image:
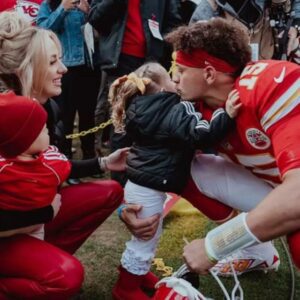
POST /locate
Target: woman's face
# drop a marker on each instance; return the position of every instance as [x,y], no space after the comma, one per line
[54,71]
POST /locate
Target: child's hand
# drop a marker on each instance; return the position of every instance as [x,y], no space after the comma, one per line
[233,104]
[56,203]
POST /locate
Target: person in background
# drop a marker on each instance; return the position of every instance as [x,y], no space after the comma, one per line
[130,32]
[165,133]
[30,65]
[273,26]
[81,83]
[26,8]
[186,10]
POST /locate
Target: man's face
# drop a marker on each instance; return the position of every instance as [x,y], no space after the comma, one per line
[190,84]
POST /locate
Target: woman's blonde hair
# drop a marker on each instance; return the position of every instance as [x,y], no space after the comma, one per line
[24,54]
[145,80]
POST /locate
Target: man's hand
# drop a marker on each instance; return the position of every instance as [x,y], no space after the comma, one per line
[196,258]
[143,229]
[116,161]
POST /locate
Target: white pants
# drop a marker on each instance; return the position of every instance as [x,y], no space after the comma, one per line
[138,255]
[228,182]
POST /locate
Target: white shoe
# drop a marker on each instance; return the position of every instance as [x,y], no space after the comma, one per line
[261,257]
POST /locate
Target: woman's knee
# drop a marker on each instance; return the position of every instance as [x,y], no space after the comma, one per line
[72,276]
[112,191]
[47,272]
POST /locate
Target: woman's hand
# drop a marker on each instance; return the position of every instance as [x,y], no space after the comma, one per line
[56,204]
[116,161]
[83,6]
[68,4]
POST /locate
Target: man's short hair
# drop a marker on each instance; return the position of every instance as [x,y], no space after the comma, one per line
[217,37]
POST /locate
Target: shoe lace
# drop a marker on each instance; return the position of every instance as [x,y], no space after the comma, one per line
[237,291]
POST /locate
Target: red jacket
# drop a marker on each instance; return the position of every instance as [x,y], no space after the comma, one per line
[26,185]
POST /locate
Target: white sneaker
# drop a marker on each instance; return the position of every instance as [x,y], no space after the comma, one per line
[261,257]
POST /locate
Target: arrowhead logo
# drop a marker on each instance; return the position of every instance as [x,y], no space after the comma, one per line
[280,78]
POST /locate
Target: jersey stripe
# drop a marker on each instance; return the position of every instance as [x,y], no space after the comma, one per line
[255,160]
[285,104]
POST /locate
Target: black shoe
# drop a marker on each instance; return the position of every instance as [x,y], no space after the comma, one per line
[73,181]
[192,278]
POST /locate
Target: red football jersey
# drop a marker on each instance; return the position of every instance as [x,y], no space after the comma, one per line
[26,8]
[267,135]
[26,185]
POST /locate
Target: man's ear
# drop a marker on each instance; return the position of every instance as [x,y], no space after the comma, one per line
[209,74]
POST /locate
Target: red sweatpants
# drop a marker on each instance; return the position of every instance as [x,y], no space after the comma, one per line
[218,212]
[35,269]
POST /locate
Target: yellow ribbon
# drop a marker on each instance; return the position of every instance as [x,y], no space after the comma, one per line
[139,82]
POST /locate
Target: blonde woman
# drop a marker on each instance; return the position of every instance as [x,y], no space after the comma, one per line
[30,65]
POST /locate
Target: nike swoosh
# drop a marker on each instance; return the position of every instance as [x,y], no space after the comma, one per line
[280,78]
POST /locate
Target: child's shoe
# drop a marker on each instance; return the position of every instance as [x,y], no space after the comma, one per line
[128,287]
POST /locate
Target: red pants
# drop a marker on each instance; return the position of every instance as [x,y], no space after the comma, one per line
[35,269]
[218,212]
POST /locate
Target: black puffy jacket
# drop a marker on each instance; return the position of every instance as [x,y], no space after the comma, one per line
[166,132]
[108,17]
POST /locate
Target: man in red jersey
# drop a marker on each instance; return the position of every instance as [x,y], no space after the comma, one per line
[213,58]
[26,8]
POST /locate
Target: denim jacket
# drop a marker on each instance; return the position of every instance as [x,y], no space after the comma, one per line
[67,26]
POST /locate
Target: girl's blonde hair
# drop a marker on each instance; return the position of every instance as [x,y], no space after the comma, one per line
[23,54]
[145,80]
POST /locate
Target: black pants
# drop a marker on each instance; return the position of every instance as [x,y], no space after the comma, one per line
[80,86]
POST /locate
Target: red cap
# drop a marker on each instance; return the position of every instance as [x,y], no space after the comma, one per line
[21,121]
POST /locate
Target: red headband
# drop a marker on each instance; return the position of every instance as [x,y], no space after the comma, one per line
[200,59]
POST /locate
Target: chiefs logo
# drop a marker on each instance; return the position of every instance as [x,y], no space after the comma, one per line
[257,139]
[27,9]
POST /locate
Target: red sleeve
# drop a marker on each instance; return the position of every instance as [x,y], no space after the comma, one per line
[281,121]
[286,144]
[271,89]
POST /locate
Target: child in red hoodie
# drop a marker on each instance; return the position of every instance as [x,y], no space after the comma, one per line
[31,171]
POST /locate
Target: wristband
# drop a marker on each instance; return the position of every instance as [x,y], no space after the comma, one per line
[120,209]
[229,237]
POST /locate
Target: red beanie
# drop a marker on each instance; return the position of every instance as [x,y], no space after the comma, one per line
[21,121]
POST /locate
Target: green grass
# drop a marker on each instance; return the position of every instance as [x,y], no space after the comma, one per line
[101,254]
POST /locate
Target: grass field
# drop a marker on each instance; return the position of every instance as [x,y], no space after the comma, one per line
[101,254]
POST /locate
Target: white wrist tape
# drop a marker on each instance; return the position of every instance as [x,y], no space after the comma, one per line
[229,237]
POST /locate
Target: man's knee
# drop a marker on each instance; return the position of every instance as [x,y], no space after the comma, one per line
[212,208]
